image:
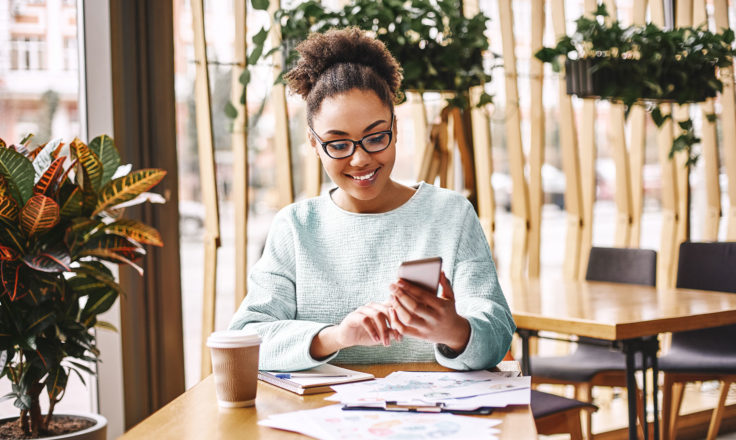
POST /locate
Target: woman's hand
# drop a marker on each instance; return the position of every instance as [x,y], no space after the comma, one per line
[418,312]
[367,325]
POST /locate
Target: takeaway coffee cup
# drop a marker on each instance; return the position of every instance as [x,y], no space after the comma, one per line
[235,364]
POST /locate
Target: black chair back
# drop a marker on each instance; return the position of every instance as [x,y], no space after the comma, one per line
[707,266]
[622,265]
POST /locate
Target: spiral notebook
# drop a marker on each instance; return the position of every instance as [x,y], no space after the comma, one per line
[313,381]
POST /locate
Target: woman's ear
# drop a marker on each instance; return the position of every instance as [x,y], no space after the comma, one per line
[312,143]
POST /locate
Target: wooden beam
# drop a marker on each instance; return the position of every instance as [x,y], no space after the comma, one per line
[710,151]
[570,160]
[728,122]
[588,155]
[209,181]
[281,136]
[421,130]
[684,17]
[665,262]
[240,153]
[520,192]
[483,166]
[637,148]
[536,149]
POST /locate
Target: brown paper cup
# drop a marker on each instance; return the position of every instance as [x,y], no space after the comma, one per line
[235,366]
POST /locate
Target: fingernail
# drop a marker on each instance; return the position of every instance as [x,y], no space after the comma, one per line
[402,283]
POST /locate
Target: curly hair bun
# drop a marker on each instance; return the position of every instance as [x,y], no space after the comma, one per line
[339,60]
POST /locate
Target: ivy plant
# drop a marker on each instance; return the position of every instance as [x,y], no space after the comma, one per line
[647,64]
[436,45]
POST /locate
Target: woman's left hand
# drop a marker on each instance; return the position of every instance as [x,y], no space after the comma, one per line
[420,313]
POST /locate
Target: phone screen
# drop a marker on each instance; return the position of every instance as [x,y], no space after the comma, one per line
[425,272]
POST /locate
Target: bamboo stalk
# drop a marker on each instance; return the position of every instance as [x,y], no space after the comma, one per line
[588,154]
[536,148]
[520,192]
[483,167]
[728,122]
[282,139]
[570,161]
[240,153]
[209,182]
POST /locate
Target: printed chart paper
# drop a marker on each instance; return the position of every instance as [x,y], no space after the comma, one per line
[331,422]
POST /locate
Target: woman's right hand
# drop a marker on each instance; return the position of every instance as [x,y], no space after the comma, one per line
[367,325]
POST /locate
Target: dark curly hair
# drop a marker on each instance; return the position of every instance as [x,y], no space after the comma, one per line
[340,60]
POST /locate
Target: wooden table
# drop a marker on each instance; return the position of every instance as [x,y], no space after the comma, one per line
[629,316]
[195,414]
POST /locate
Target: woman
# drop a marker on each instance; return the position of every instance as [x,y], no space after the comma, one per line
[325,288]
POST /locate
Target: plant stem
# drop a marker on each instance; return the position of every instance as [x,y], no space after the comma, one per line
[23,420]
[36,417]
[47,420]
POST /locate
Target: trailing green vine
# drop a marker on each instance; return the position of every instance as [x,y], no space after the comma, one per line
[436,45]
[646,64]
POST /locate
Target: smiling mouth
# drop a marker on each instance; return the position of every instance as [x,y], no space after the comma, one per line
[365,176]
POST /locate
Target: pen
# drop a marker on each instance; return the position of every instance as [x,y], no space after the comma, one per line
[295,375]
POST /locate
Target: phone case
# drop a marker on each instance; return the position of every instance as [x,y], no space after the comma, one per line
[425,272]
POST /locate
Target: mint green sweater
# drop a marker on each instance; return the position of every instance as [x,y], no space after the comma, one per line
[321,262]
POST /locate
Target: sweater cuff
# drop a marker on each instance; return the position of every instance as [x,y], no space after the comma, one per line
[309,336]
[459,361]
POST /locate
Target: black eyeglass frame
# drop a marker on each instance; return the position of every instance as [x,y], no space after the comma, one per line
[355,143]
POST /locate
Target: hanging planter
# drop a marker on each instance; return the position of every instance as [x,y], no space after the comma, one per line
[643,64]
[437,47]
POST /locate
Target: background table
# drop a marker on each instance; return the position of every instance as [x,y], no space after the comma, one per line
[195,414]
[630,316]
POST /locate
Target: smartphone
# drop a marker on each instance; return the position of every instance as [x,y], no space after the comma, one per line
[425,272]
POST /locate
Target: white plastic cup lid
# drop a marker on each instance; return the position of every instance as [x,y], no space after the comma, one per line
[232,339]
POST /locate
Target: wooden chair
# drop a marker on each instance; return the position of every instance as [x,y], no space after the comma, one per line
[597,365]
[708,354]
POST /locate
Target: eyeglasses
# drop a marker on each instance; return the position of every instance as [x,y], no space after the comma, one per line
[371,143]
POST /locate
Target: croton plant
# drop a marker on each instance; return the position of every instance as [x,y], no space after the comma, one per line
[61,209]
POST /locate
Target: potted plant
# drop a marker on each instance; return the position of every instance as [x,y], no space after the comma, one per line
[637,64]
[61,212]
[438,47]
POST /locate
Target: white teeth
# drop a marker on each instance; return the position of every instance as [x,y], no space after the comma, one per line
[366,177]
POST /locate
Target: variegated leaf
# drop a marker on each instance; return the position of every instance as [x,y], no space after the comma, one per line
[128,187]
[56,383]
[115,243]
[44,158]
[11,236]
[111,256]
[7,253]
[46,184]
[136,231]
[39,322]
[72,206]
[91,165]
[104,147]
[98,302]
[8,208]
[13,281]
[18,173]
[3,144]
[52,260]
[69,169]
[40,214]
[143,198]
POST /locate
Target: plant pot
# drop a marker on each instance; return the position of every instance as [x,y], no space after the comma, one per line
[612,78]
[98,431]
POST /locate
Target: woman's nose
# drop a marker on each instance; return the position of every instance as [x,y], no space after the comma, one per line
[360,157]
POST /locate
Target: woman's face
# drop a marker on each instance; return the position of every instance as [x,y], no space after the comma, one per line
[364,178]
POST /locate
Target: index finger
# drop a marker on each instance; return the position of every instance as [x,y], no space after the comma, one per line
[419,293]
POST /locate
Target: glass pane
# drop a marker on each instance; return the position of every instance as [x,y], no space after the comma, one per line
[39,93]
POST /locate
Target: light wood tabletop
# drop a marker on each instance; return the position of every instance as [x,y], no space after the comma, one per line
[195,414]
[614,311]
